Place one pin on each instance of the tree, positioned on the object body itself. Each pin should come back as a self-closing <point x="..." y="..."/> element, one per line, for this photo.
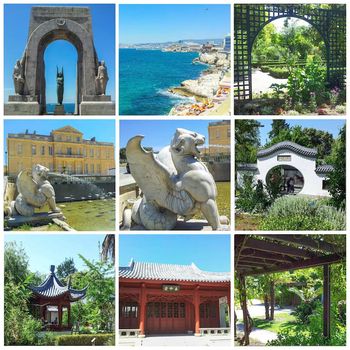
<point x="66" y="268"/>
<point x="247" y="140"/>
<point x="278" y="125"/>
<point x="337" y="178"/>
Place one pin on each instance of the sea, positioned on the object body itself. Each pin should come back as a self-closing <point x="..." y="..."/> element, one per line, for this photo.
<point x="146" y="75"/>
<point x="68" y="108"/>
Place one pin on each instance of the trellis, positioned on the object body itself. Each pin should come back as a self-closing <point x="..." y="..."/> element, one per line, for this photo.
<point x="249" y="20"/>
<point x="264" y="254"/>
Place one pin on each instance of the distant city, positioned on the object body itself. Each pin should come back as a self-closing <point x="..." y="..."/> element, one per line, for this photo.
<point x="188" y="45"/>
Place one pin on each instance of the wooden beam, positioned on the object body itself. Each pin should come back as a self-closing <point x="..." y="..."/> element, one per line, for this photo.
<point x="305" y="241"/>
<point x="313" y="262"/>
<point x="277" y="248"/>
<point x="265" y="255"/>
<point x="262" y="262"/>
<point x="326" y="301"/>
<point x="239" y="245"/>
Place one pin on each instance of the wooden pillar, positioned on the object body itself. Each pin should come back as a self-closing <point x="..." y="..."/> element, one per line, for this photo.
<point x="196" y="312"/>
<point x="326" y="301"/>
<point x="143" y="305"/>
<point x="272" y="300"/>
<point x="267" y="306"/>
<point x="60" y="316"/>
<point x="244" y="307"/>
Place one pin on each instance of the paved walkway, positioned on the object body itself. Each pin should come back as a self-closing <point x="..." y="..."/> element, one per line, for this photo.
<point x="262" y="81"/>
<point x="177" y="340"/>
<point x="260" y="335"/>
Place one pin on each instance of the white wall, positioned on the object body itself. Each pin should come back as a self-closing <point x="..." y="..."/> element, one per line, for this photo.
<point x="307" y="166"/>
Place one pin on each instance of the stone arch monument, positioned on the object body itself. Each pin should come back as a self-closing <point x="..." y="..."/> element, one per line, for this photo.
<point x="47" y="24"/>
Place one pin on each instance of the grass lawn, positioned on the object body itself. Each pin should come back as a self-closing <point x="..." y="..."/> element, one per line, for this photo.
<point x="282" y="320"/>
<point x="223" y="200"/>
<point x="246" y="222"/>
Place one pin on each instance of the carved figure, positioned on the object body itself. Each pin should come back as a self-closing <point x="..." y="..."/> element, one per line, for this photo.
<point x="101" y="79"/>
<point x="18" y="78"/>
<point x="34" y="192"/>
<point x="60" y="86"/>
<point x="174" y="182"/>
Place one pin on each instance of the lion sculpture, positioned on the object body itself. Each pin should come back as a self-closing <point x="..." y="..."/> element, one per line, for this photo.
<point x="34" y="192"/>
<point x="174" y="183"/>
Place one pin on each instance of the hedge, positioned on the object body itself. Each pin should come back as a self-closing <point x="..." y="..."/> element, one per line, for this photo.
<point x="279" y="72"/>
<point x="84" y="339"/>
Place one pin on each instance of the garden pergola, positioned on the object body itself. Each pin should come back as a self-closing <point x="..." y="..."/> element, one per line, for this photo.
<point x="269" y="253"/>
<point x="249" y="20"/>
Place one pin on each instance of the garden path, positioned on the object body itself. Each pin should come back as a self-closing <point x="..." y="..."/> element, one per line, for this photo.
<point x="260" y="335"/>
<point x="262" y="81"/>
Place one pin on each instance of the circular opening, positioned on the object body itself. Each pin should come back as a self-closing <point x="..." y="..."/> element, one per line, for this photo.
<point x="285" y="179"/>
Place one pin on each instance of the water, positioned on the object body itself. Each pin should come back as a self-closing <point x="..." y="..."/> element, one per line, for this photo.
<point x="146" y="75"/>
<point x="68" y="108"/>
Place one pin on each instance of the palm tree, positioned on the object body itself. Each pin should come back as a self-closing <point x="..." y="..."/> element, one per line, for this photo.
<point x="108" y="248"/>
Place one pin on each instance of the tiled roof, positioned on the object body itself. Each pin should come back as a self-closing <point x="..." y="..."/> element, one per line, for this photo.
<point x="324" y="169"/>
<point x="288" y="145"/>
<point x="52" y="287"/>
<point x="169" y="272"/>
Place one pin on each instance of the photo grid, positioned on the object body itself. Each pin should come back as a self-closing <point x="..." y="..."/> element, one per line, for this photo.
<point x="215" y="132"/>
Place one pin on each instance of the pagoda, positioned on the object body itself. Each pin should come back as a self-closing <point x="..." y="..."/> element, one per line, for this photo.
<point x="159" y="298"/>
<point x="52" y="298"/>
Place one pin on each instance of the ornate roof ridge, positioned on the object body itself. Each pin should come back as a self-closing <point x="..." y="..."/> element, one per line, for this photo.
<point x="290" y="145"/>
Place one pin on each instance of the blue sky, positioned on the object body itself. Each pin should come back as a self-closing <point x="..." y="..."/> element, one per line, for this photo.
<point x="158" y="133"/>
<point x="332" y="126"/>
<point x="59" y="53"/>
<point x="102" y="129"/>
<point x="161" y="23"/>
<point x="52" y="249"/>
<point x="208" y="252"/>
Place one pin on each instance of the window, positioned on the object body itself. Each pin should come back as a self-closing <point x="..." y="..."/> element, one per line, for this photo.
<point x="79" y="169"/>
<point x="86" y="168"/>
<point x="176" y="310"/>
<point x="69" y="138"/>
<point x="325" y="184"/>
<point x="284" y="158"/>
<point x="50" y="150"/>
<point x="182" y="310"/>
<point x="170" y="310"/>
<point x="130" y="310"/>
<point x="98" y="169"/>
<point x="33" y="150"/>
<point x="149" y="310"/>
<point x="78" y="139"/>
<point x="69" y="151"/>
<point x="42" y="150"/>
<point x="156" y="310"/>
<point x="212" y="310"/>
<point x="92" y="169"/>
<point x="91" y="152"/>
<point x="19" y="148"/>
<point x="163" y="310"/>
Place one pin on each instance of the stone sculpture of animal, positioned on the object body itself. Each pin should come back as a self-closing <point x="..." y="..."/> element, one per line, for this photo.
<point x="174" y="182"/>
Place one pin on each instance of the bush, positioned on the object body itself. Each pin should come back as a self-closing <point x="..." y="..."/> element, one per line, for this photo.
<point x="302" y="213"/>
<point x="279" y="72"/>
<point x="304" y="310"/>
<point x="340" y="109"/>
<point x="85" y="339"/>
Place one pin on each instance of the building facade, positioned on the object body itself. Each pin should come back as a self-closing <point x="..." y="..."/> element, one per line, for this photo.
<point x="63" y="151"/>
<point x="172" y="299"/>
<point x="219" y="137"/>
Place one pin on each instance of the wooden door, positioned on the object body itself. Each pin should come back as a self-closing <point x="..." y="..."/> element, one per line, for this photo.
<point x="128" y="315"/>
<point x="209" y="314"/>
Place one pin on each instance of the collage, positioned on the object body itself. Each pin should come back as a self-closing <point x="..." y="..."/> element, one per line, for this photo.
<point x="174" y="173"/>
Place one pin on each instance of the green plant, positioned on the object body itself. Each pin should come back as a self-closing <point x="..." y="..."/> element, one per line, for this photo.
<point x="85" y="339"/>
<point x="279" y="72"/>
<point x="340" y="109"/>
<point x="301" y="213"/>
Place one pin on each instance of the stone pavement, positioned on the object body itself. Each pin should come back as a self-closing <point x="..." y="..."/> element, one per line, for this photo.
<point x="177" y="340"/>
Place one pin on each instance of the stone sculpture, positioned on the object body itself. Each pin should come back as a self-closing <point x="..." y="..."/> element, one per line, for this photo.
<point x="60" y="86"/>
<point x="174" y="183"/>
<point x="18" y="78"/>
<point x="34" y="191"/>
<point x="101" y="79"/>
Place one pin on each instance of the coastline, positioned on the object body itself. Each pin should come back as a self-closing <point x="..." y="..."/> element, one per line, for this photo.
<point x="211" y="89"/>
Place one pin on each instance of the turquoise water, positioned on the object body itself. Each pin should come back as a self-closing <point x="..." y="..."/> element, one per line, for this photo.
<point x="145" y="76"/>
<point x="68" y="108"/>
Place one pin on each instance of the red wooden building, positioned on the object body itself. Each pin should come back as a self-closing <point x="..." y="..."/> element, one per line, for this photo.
<point x="51" y="299"/>
<point x="164" y="299"/>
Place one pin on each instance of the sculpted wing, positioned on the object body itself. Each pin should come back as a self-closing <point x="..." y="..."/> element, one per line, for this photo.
<point x="154" y="178"/>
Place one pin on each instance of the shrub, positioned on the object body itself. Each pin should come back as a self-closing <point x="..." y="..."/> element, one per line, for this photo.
<point x="84" y="339"/>
<point x="304" y="310"/>
<point x="302" y="213"/>
<point x="340" y="109"/>
<point x="279" y="72"/>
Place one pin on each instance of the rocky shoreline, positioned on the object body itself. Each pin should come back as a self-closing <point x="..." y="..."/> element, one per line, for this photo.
<point x="206" y="87"/>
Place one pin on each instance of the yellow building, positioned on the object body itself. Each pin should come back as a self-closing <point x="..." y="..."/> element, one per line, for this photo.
<point x="63" y="151"/>
<point x="219" y="137"/>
